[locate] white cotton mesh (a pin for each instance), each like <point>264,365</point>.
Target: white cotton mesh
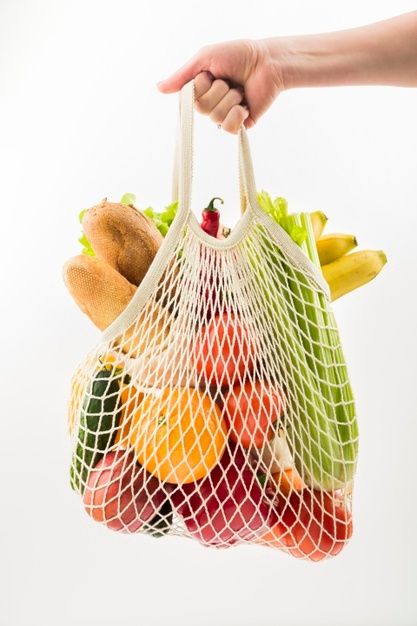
<point>218,405</point>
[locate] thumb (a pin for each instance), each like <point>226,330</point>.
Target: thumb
<point>186,73</point>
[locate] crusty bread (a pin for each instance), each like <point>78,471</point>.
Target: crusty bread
<point>123,237</point>
<point>102,293</point>
<point>98,289</point>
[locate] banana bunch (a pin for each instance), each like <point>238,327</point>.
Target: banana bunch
<point>344,270</point>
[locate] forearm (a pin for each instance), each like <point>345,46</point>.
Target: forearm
<point>384,53</point>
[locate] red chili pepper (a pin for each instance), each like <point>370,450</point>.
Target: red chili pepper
<point>211,218</point>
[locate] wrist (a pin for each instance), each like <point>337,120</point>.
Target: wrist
<point>280,60</point>
<point>293,61</point>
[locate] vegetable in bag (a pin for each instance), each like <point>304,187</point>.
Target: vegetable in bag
<point>100,415</point>
<point>234,419</point>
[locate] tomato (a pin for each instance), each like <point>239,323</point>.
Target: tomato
<point>224,351</point>
<point>313,524</point>
<point>178,436</point>
<point>251,410</point>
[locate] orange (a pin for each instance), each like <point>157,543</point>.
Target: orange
<point>130,398</point>
<point>179,436</point>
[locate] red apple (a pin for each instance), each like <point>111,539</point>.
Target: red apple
<point>121,494</point>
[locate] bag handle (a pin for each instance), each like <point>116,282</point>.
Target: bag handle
<point>184,152</point>
<point>182,187</point>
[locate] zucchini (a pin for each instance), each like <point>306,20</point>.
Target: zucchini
<point>100,416</point>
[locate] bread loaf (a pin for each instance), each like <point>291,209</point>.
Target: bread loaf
<point>102,294</point>
<point>98,289</point>
<point>123,237</point>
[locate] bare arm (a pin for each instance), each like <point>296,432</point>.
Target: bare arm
<point>237,81</point>
<point>384,53</point>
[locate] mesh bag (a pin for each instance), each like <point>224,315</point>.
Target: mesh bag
<point>217,406</point>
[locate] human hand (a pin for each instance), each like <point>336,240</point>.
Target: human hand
<point>235,82</point>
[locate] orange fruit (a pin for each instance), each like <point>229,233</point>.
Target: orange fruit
<point>178,436</point>
<point>130,398</point>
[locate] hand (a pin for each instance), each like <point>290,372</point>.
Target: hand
<point>235,82</point>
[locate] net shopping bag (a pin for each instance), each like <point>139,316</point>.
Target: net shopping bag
<point>217,406</point>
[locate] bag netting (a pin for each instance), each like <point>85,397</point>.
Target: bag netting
<point>218,404</point>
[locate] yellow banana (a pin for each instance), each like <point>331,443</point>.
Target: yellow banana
<point>352,271</point>
<point>318,222</point>
<point>331,247</point>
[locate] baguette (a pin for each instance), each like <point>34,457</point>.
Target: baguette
<point>102,294</point>
<point>98,289</point>
<point>123,237</point>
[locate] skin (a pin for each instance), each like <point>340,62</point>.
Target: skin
<point>237,81</point>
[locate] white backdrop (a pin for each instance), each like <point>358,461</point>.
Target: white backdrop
<point>81,119</point>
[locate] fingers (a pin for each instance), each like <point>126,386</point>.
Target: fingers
<point>202,83</point>
<point>215,97</point>
<point>234,119</point>
<point>207,100</point>
<point>232,98</point>
<point>249,122</point>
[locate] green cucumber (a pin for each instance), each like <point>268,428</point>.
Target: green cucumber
<point>161,523</point>
<point>100,416</point>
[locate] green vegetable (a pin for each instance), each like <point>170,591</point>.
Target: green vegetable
<point>128,199</point>
<point>161,523</point>
<point>86,246</point>
<point>99,419</point>
<point>278,210</point>
<point>322,431</point>
<point>164,219</point>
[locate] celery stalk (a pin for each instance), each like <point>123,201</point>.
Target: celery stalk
<point>321,428</point>
<point>326,361</point>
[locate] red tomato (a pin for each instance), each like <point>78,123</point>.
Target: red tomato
<point>314,524</point>
<point>224,351</point>
<point>251,410</point>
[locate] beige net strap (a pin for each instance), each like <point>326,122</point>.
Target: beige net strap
<point>217,406</point>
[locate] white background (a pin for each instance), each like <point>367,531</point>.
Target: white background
<point>81,119</point>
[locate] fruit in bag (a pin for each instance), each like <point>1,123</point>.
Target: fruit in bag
<point>227,506</point>
<point>312,524</point>
<point>251,411</point>
<point>179,435</point>
<point>224,351</point>
<point>121,494</point>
